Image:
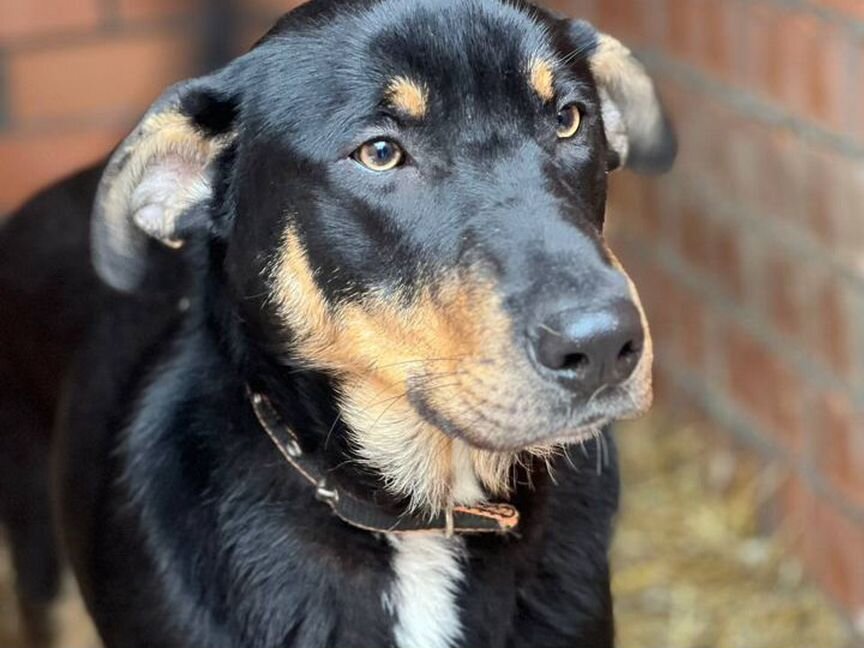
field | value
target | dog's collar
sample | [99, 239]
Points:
[363, 514]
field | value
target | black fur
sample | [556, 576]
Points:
[182, 523]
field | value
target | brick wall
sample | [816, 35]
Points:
[75, 75]
[750, 255]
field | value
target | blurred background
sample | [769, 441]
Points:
[743, 518]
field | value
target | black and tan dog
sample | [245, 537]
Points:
[351, 304]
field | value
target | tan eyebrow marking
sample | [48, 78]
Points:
[542, 75]
[409, 96]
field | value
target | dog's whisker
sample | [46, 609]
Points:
[566, 452]
[550, 330]
[422, 361]
[332, 428]
[600, 445]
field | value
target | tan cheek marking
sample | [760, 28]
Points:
[300, 301]
[378, 333]
[377, 343]
[542, 78]
[409, 96]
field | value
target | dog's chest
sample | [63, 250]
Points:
[424, 596]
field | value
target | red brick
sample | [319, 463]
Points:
[719, 123]
[835, 193]
[686, 109]
[834, 322]
[797, 504]
[653, 203]
[733, 155]
[838, 444]
[746, 174]
[849, 200]
[683, 28]
[695, 234]
[634, 206]
[691, 331]
[818, 64]
[20, 19]
[720, 24]
[782, 178]
[835, 557]
[663, 384]
[787, 307]
[799, 62]
[767, 388]
[852, 8]
[764, 48]
[856, 109]
[709, 244]
[659, 295]
[726, 258]
[824, 180]
[28, 162]
[828, 541]
[624, 19]
[854, 298]
[111, 76]
[134, 10]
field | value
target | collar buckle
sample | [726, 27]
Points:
[324, 493]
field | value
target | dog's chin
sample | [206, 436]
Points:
[531, 440]
[539, 434]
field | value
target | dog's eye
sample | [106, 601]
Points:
[569, 120]
[380, 155]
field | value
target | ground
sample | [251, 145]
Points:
[691, 563]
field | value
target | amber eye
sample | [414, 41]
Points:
[569, 119]
[380, 155]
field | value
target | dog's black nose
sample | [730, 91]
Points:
[589, 348]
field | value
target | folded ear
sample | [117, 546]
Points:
[155, 178]
[638, 130]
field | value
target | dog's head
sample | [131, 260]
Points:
[410, 197]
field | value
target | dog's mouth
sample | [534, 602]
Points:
[454, 433]
[499, 427]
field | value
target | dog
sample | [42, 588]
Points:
[326, 353]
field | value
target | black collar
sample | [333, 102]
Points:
[363, 514]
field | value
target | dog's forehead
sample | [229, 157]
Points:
[322, 74]
[459, 35]
[464, 48]
[429, 26]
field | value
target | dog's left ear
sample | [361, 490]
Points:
[638, 130]
[158, 182]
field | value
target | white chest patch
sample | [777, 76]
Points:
[428, 572]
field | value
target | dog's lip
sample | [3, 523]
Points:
[578, 431]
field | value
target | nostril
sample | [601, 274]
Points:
[628, 356]
[575, 361]
[629, 350]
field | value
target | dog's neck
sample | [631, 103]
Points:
[306, 399]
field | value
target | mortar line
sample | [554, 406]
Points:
[751, 106]
[5, 113]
